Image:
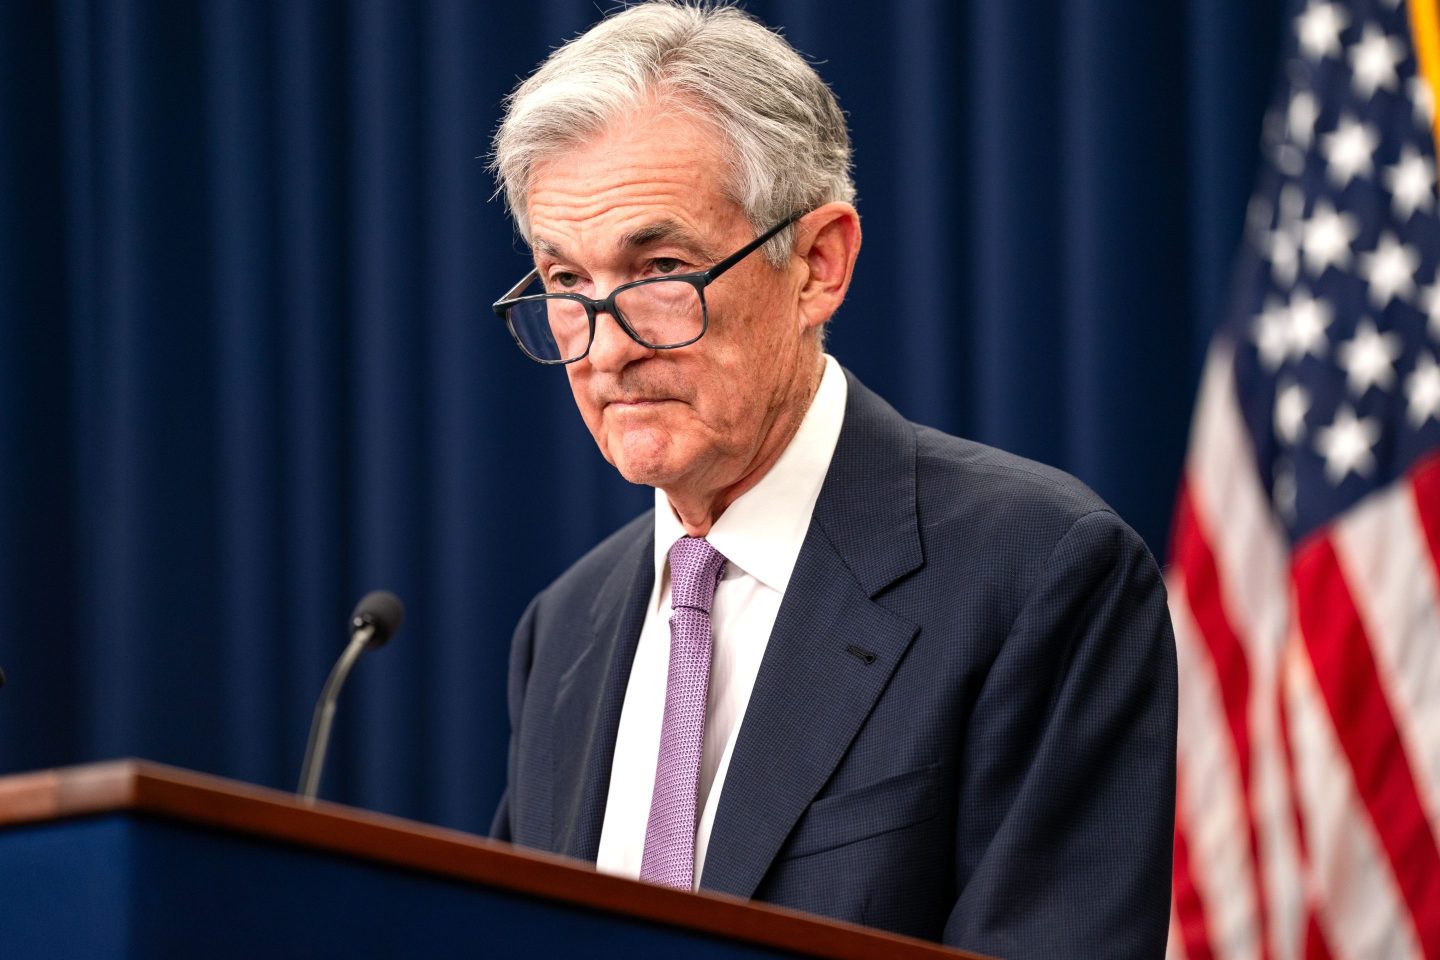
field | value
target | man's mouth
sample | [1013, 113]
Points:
[636, 403]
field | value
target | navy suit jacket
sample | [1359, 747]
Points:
[963, 728]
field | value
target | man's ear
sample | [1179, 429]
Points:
[827, 240]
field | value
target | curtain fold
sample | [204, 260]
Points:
[248, 370]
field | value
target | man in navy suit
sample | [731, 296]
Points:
[935, 683]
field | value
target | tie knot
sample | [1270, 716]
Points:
[695, 568]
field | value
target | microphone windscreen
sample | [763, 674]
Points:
[382, 610]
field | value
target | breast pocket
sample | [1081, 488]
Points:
[887, 805]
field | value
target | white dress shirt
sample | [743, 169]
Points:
[760, 535]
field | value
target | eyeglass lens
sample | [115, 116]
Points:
[661, 313]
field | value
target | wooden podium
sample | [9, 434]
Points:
[132, 859]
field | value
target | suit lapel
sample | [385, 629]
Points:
[810, 698]
[588, 700]
[813, 694]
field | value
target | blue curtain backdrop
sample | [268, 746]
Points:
[248, 371]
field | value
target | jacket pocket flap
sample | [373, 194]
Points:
[890, 804]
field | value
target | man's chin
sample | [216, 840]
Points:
[648, 473]
[641, 456]
[645, 457]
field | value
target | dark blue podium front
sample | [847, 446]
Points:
[132, 860]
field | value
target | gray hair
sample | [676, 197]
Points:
[789, 151]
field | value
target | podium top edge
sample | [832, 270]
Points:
[133, 786]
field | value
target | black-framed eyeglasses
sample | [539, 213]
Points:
[660, 313]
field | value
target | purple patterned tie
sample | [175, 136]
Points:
[669, 857]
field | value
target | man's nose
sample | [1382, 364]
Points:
[612, 347]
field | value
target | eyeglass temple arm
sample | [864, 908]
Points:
[514, 291]
[749, 248]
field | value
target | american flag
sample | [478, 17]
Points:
[1303, 571]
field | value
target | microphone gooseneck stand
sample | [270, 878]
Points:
[376, 618]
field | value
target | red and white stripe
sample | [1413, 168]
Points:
[1356, 905]
[1308, 788]
[1385, 558]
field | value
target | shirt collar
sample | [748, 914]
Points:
[762, 531]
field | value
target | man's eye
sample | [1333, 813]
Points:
[665, 264]
[563, 281]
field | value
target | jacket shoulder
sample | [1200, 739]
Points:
[996, 518]
[951, 470]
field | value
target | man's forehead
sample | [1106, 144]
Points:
[658, 173]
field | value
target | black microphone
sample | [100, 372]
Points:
[376, 618]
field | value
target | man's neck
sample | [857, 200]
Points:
[697, 511]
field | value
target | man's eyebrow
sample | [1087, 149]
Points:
[667, 231]
[661, 231]
[544, 248]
